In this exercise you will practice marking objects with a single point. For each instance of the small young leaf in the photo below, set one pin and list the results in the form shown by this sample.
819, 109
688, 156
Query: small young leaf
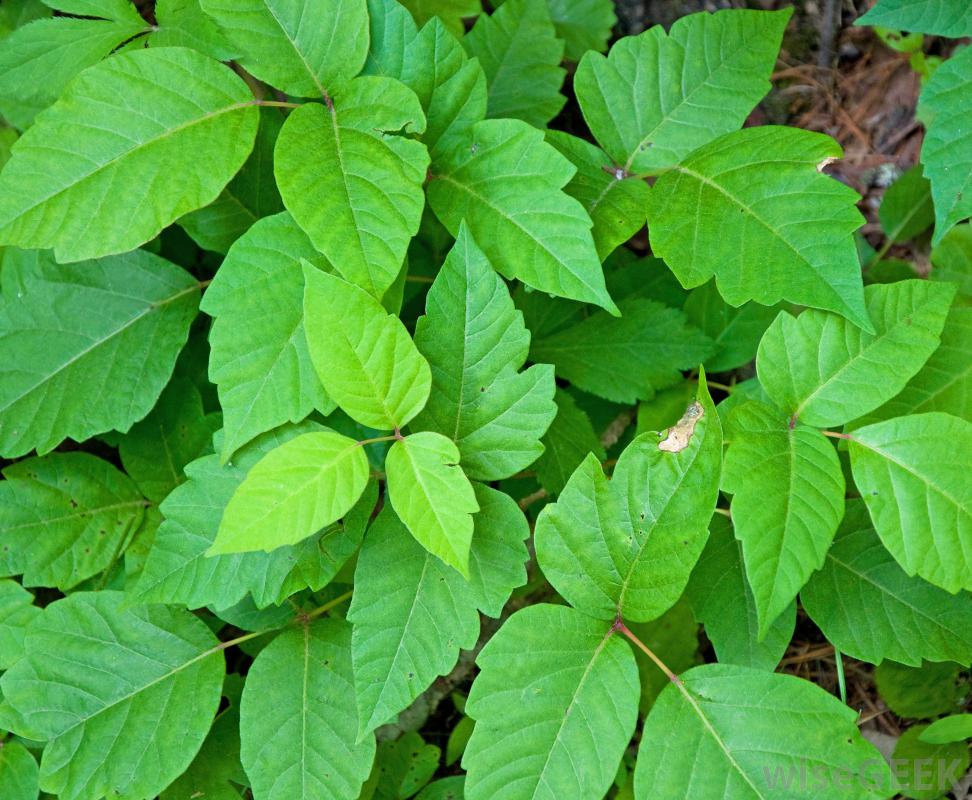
938, 17
123, 695
301, 47
788, 499
404, 766
912, 757
364, 356
955, 728
298, 722
735, 733
913, 474
63, 518
475, 342
824, 371
518, 50
292, 492
122, 319
907, 619
260, 359
906, 209
506, 183
359, 198
432, 496
753, 209
555, 704
411, 615
658, 96
59, 188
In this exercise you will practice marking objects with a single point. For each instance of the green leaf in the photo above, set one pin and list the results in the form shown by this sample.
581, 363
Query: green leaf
946, 151
722, 600
520, 53
952, 260
732, 732
251, 195
179, 571
657, 97
117, 321
788, 499
939, 17
109, 9
625, 358
955, 728
557, 675
124, 696
183, 23
40, 59
919, 692
870, 609
506, 182
260, 358
91, 142
569, 439
906, 209
157, 449
63, 518
913, 474
824, 371
475, 342
444, 789
582, 24
615, 204
928, 771
18, 773
16, 613
404, 766
497, 558
616, 549
301, 47
364, 356
674, 638
451, 12
432, 495
295, 490
359, 198
298, 722
17, 13
753, 209
411, 615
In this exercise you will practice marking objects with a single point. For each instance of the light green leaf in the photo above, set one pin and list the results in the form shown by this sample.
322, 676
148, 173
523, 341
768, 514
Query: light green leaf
735, 733
183, 23
411, 615
18, 773
251, 195
40, 59
906, 209
294, 491
788, 499
63, 518
432, 496
498, 556
913, 474
919, 692
569, 439
753, 209
615, 204
475, 342
520, 53
298, 721
722, 600
952, 260
555, 704
946, 151
625, 359
359, 198
109, 9
178, 570
260, 359
364, 357
157, 449
626, 547
392, 31
735, 331
825, 371
506, 182
16, 613
92, 142
928, 771
657, 97
870, 609
301, 47
939, 17
117, 322
451, 12
123, 695
955, 728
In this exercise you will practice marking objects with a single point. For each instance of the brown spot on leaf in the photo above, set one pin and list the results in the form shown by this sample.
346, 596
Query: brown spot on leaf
680, 434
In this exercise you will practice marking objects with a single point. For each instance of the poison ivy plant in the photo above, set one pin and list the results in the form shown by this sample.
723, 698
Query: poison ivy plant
537, 429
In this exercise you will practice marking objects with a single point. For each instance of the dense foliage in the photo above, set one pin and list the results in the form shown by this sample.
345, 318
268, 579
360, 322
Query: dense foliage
335, 409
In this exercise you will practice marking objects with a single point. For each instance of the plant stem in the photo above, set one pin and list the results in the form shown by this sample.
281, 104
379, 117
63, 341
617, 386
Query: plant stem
377, 439
716, 385
837, 435
620, 626
724, 511
276, 104
303, 619
841, 682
